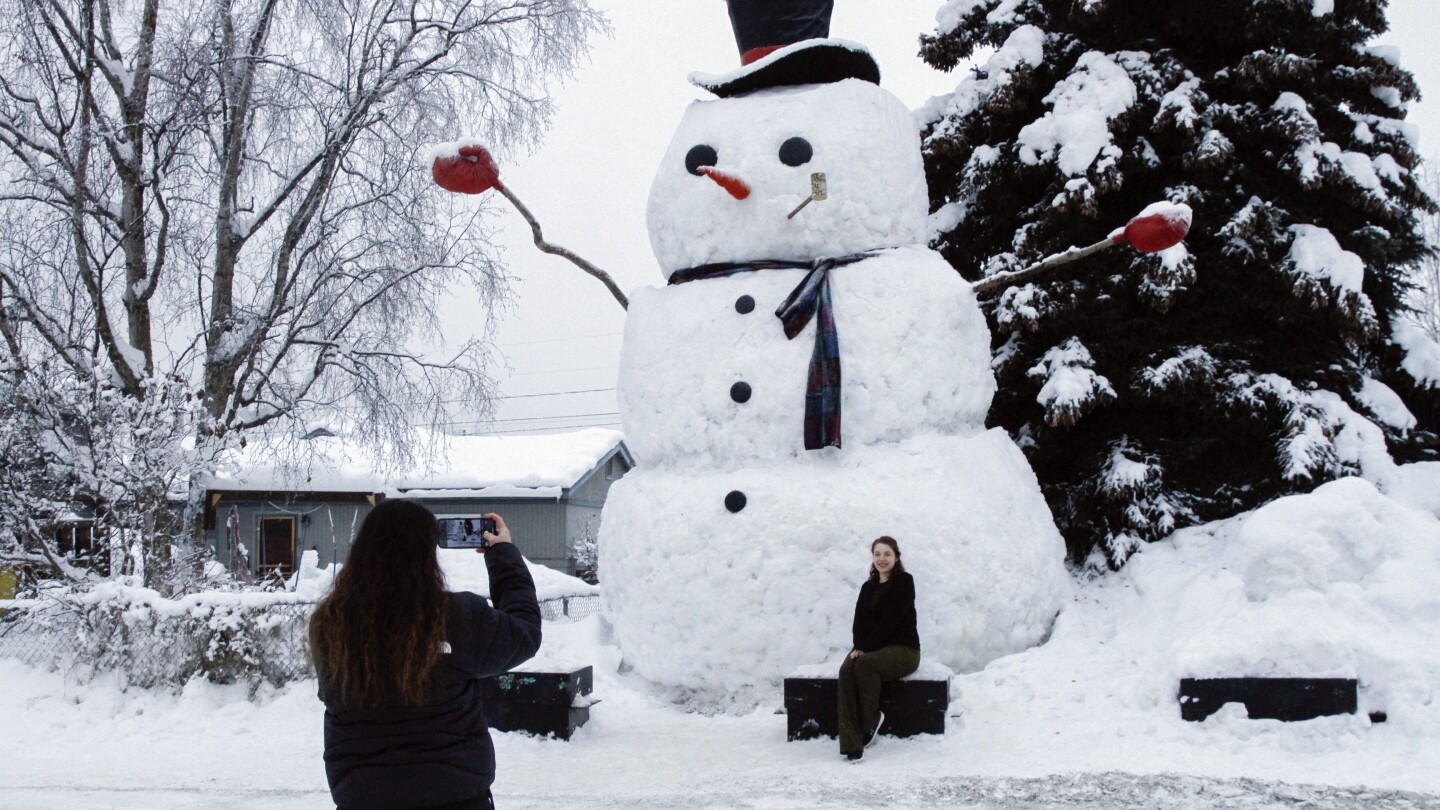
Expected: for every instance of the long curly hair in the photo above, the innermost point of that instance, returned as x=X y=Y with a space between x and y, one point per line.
x=379 y=631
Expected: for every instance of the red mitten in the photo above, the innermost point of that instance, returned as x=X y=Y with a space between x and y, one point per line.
x=1155 y=233
x=472 y=171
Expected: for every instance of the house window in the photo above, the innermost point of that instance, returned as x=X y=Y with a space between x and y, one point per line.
x=76 y=541
x=277 y=544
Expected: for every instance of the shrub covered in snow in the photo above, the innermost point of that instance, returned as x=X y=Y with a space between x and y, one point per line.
x=223 y=637
x=1156 y=391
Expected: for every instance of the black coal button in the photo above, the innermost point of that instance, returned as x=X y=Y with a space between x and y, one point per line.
x=735 y=501
x=740 y=392
x=744 y=305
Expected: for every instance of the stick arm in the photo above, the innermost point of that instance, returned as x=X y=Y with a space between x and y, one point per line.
x=557 y=250
x=1000 y=281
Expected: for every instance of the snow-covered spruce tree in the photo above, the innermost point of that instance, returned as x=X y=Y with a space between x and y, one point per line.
x=1255 y=359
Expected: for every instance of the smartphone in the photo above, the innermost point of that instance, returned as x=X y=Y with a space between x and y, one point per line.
x=465 y=532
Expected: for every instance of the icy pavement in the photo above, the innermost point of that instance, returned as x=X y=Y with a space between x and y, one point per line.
x=1104 y=790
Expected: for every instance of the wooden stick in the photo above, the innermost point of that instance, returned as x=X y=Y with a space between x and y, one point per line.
x=1002 y=280
x=556 y=250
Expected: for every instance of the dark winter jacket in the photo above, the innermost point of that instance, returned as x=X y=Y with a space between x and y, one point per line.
x=885 y=614
x=440 y=752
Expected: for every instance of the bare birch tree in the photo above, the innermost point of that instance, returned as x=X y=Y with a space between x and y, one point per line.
x=228 y=201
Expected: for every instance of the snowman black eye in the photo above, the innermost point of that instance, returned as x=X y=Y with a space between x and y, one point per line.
x=796 y=152
x=698 y=156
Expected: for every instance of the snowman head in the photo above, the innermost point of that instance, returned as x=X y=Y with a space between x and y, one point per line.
x=738 y=166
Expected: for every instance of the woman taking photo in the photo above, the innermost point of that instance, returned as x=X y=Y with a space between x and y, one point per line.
x=886 y=643
x=398 y=659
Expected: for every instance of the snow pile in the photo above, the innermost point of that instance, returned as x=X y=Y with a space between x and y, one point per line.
x=1335 y=583
x=465 y=570
x=1422 y=355
x=1077 y=129
x=863 y=139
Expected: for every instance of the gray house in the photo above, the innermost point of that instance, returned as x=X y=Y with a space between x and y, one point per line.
x=312 y=495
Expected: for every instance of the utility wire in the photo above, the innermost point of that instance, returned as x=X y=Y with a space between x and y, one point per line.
x=556 y=340
x=543 y=429
x=530 y=418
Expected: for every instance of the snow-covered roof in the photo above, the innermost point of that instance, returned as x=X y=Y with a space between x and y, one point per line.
x=463 y=466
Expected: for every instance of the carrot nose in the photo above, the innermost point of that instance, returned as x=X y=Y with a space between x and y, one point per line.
x=737 y=187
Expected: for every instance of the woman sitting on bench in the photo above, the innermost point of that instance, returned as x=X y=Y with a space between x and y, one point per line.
x=887 y=646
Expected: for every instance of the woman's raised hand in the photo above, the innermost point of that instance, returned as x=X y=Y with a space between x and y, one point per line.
x=501 y=533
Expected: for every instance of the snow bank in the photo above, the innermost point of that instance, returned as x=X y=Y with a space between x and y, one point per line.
x=1335 y=583
x=465 y=571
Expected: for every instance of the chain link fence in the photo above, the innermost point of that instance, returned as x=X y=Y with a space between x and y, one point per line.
x=155 y=643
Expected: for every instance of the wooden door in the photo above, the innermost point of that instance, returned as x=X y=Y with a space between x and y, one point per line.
x=277 y=544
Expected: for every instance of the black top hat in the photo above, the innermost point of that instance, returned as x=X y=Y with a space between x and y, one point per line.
x=786 y=42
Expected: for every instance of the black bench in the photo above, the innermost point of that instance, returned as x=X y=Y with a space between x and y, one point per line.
x=1271 y=698
x=913 y=705
x=543 y=703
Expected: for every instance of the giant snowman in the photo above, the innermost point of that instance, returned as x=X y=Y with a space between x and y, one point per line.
x=804 y=384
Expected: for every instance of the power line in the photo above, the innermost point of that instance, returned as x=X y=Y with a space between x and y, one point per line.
x=530 y=418
x=559 y=339
x=564 y=370
x=548 y=394
x=550 y=427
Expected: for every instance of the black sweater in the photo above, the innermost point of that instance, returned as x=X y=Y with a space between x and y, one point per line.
x=438 y=753
x=885 y=614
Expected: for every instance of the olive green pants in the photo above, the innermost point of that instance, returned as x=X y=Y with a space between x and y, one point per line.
x=859 y=690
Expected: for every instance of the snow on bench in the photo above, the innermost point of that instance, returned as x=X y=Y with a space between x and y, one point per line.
x=542 y=697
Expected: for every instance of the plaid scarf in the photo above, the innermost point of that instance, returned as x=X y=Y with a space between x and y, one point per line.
x=811 y=297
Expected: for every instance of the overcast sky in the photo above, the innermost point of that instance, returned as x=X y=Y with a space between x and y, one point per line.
x=589 y=180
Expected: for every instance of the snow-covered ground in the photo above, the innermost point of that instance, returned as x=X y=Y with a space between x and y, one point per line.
x=1339 y=582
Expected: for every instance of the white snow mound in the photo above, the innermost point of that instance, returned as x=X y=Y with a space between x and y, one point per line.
x=1339 y=582
x=722 y=606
